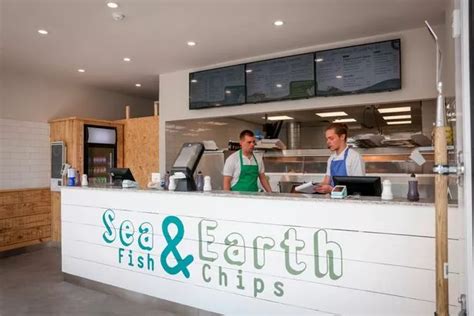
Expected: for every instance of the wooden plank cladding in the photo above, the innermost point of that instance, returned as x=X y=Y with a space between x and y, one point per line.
x=141 y=147
x=25 y=217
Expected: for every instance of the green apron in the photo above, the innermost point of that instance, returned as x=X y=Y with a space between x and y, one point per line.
x=248 y=177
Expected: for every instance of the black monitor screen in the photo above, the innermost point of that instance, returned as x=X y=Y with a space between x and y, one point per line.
x=188 y=158
x=368 y=186
x=280 y=79
x=120 y=174
x=217 y=87
x=364 y=68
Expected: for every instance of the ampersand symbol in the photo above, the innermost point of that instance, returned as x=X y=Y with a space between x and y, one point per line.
x=182 y=264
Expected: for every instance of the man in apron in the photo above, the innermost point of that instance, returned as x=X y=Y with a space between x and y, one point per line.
x=242 y=169
x=344 y=161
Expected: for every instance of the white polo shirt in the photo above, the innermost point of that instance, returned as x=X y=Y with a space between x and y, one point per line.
x=232 y=166
x=355 y=165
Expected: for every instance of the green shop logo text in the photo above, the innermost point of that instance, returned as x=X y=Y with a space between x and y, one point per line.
x=327 y=255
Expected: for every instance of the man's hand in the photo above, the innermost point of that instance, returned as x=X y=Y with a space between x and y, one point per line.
x=323 y=188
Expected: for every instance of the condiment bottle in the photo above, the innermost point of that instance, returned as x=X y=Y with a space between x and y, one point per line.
x=413 y=189
x=199 y=181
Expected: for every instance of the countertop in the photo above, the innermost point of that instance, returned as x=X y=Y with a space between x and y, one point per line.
x=273 y=196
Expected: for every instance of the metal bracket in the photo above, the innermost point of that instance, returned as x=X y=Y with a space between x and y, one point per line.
x=445 y=169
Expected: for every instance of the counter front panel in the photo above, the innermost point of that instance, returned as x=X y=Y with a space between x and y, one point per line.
x=255 y=254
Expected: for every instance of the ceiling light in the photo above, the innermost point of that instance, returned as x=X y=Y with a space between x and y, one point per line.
x=397 y=117
x=228 y=92
x=278 y=23
x=194 y=80
x=318 y=60
x=81 y=70
x=395 y=110
x=191 y=43
x=278 y=118
x=112 y=5
x=43 y=32
x=138 y=85
x=398 y=122
x=346 y=120
x=278 y=85
x=338 y=76
x=127 y=59
x=331 y=114
x=248 y=71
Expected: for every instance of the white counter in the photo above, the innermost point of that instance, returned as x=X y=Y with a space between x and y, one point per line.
x=260 y=253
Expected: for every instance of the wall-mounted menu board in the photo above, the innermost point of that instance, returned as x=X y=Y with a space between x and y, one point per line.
x=365 y=68
x=217 y=87
x=280 y=79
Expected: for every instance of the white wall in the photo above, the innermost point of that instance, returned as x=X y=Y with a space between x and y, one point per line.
x=418 y=83
x=24 y=154
x=30 y=97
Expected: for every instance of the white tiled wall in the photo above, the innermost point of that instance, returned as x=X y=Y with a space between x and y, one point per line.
x=24 y=154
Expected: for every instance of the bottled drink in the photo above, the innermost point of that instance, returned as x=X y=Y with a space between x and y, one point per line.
x=167 y=180
x=199 y=181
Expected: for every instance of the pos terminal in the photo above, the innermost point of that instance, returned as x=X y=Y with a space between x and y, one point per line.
x=185 y=165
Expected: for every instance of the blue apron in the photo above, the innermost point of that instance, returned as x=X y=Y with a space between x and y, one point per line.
x=338 y=167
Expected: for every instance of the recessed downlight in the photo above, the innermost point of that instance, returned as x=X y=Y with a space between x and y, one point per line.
x=248 y=71
x=194 y=80
x=43 y=32
x=318 y=60
x=339 y=77
x=81 y=70
x=279 y=85
x=138 y=85
x=127 y=59
x=278 y=23
x=191 y=43
x=112 y=5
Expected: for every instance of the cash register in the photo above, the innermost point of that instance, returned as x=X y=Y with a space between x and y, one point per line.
x=185 y=165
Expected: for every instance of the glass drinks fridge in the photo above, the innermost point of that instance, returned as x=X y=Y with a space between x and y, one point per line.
x=100 y=153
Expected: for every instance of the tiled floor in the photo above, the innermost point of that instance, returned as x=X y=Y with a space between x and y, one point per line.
x=32 y=284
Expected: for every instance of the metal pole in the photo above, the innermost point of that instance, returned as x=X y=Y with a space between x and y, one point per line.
x=441 y=192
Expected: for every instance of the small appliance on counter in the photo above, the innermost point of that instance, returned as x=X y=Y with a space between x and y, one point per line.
x=339 y=192
x=185 y=165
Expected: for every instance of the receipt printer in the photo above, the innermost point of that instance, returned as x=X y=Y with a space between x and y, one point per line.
x=339 y=192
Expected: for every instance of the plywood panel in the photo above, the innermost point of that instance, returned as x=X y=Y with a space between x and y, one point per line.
x=25 y=217
x=56 y=216
x=141 y=149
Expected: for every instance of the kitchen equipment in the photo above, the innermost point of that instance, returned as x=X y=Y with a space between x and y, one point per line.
x=368 y=140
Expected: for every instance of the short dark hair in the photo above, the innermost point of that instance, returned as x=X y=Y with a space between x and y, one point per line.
x=339 y=128
x=246 y=132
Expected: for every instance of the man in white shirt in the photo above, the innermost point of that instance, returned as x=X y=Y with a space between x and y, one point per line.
x=344 y=161
x=243 y=168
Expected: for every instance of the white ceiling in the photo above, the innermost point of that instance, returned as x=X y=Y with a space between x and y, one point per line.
x=82 y=33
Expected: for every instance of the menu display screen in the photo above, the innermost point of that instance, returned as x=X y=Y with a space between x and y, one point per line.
x=217 y=87
x=359 y=69
x=281 y=79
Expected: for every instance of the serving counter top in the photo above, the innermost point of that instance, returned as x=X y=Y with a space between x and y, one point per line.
x=278 y=196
